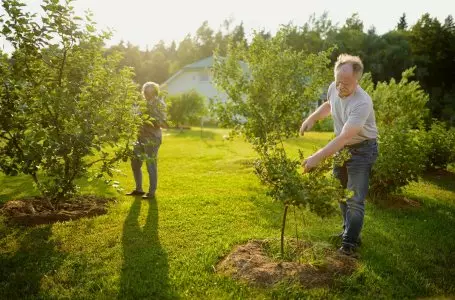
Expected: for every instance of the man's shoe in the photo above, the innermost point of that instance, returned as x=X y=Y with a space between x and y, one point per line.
x=148 y=196
x=359 y=242
x=348 y=251
x=135 y=193
x=337 y=238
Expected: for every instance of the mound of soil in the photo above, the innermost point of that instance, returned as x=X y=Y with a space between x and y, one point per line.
x=39 y=210
x=250 y=263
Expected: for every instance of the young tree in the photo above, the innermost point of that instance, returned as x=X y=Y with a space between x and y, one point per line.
x=65 y=107
x=266 y=104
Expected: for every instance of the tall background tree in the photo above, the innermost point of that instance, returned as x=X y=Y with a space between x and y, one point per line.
x=429 y=44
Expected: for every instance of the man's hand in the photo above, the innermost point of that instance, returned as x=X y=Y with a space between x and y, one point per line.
x=320 y=113
x=306 y=125
x=332 y=147
x=310 y=163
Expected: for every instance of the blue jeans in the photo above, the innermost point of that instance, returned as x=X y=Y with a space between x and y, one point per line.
x=146 y=149
x=354 y=175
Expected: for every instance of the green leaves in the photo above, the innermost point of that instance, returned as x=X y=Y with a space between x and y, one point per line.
x=65 y=106
x=400 y=110
x=441 y=145
x=271 y=87
x=402 y=158
x=283 y=176
x=401 y=104
x=188 y=107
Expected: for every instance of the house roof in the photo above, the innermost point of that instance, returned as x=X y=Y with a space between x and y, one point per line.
x=204 y=63
x=201 y=64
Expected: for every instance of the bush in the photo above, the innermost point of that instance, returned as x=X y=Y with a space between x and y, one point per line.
x=187 y=108
x=400 y=110
x=325 y=125
x=441 y=144
x=402 y=158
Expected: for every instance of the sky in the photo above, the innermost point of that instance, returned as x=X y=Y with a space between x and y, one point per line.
x=144 y=23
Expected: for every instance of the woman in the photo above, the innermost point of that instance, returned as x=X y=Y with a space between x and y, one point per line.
x=149 y=140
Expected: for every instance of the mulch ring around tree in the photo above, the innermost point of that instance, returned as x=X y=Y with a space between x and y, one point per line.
x=38 y=210
x=250 y=263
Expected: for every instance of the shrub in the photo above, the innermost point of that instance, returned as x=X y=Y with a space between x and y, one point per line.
x=400 y=110
x=325 y=125
x=402 y=158
x=441 y=144
x=186 y=108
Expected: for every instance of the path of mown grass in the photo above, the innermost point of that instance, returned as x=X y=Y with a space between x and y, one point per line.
x=208 y=202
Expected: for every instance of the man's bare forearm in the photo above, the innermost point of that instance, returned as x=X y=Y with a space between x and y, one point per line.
x=323 y=111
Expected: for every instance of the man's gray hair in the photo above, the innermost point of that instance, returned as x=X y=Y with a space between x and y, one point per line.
x=150 y=84
x=354 y=61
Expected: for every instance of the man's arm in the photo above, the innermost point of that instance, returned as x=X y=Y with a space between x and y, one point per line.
x=347 y=133
x=322 y=112
x=356 y=120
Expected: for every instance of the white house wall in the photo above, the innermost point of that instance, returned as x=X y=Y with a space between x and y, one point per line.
x=189 y=79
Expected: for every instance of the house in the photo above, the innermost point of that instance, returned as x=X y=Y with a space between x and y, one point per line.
x=197 y=76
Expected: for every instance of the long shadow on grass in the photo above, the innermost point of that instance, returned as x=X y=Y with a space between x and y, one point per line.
x=408 y=253
x=145 y=265
x=22 y=271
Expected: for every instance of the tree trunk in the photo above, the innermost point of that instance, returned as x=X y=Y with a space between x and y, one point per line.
x=283 y=225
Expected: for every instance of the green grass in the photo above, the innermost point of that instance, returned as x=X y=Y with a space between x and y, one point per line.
x=208 y=201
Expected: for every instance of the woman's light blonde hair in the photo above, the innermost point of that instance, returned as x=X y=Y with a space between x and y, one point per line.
x=148 y=85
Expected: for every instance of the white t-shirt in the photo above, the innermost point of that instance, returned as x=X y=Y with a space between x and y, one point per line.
x=356 y=109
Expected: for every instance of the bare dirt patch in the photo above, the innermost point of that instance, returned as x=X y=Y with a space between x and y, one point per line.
x=250 y=263
x=38 y=210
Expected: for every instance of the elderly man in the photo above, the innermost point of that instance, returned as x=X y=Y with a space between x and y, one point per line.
x=149 y=141
x=355 y=129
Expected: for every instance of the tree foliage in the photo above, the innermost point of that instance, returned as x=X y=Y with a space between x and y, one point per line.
x=65 y=107
x=266 y=104
x=429 y=44
x=400 y=110
x=186 y=108
x=441 y=144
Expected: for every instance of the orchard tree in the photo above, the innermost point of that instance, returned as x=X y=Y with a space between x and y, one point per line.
x=267 y=101
x=65 y=107
x=188 y=107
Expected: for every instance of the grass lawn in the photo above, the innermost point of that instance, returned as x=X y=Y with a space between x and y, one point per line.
x=208 y=201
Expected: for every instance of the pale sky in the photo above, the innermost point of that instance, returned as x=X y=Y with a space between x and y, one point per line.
x=146 y=22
